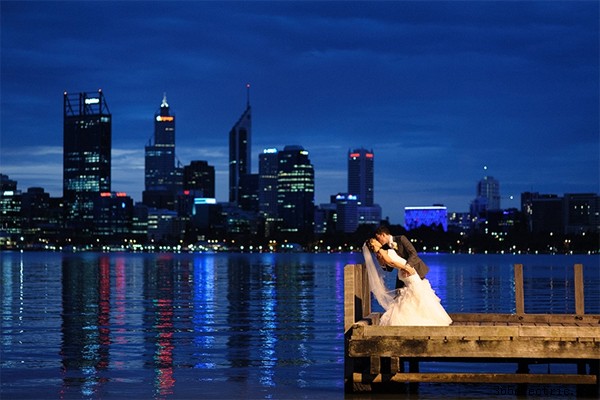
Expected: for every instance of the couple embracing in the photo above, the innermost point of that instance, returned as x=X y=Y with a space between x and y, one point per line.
x=413 y=303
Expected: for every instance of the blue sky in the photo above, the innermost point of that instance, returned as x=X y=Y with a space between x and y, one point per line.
x=438 y=90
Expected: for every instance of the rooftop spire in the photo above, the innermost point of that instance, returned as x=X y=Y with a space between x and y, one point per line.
x=164 y=101
x=247 y=95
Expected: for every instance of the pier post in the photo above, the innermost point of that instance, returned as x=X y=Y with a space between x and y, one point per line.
x=519 y=296
x=579 y=302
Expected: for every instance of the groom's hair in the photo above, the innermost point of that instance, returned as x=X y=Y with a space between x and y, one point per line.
x=382 y=230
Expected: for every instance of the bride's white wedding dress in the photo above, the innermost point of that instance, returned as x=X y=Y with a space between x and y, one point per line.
x=415 y=305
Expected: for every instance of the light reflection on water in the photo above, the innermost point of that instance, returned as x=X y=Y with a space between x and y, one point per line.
x=223 y=325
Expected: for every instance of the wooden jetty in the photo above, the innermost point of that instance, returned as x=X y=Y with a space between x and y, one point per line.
x=376 y=357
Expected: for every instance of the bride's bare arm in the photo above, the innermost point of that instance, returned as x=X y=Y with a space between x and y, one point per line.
x=384 y=258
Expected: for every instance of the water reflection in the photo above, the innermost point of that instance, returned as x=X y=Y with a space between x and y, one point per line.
x=85 y=322
x=169 y=326
x=158 y=320
x=205 y=301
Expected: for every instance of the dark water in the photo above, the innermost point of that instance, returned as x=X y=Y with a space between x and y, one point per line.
x=223 y=326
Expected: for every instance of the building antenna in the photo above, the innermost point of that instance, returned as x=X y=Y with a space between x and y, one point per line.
x=247 y=95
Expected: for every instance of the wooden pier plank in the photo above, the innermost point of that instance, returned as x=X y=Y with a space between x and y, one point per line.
x=472 y=348
x=571 y=332
x=440 y=331
x=459 y=377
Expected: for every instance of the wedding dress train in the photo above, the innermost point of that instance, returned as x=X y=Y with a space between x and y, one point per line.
x=416 y=305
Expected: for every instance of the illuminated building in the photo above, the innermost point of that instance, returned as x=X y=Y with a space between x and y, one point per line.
x=582 y=213
x=87 y=140
x=199 y=177
x=164 y=226
x=163 y=178
x=543 y=212
x=459 y=222
x=487 y=198
x=35 y=211
x=267 y=182
x=433 y=216
x=361 y=167
x=360 y=175
x=369 y=215
x=239 y=151
x=10 y=206
x=346 y=212
x=575 y=213
x=113 y=214
x=267 y=188
x=204 y=215
x=248 y=196
x=295 y=191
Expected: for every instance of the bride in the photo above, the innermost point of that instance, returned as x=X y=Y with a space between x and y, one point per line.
x=416 y=304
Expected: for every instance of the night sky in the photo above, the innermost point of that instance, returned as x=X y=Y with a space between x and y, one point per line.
x=438 y=90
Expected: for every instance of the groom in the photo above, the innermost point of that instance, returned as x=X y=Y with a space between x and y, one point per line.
x=403 y=248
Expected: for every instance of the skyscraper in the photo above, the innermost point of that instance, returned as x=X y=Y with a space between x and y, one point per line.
x=239 y=151
x=163 y=178
x=87 y=139
x=360 y=175
x=267 y=182
x=267 y=189
x=488 y=188
x=199 y=177
x=295 y=191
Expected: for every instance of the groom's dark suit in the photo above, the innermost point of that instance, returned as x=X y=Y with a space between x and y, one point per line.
x=407 y=251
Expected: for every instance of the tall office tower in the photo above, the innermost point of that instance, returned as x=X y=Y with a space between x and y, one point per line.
x=487 y=199
x=267 y=189
x=267 y=182
x=87 y=141
x=163 y=178
x=489 y=188
x=239 y=151
x=360 y=175
x=200 y=178
x=295 y=191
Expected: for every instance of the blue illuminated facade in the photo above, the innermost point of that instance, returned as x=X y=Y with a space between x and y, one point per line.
x=415 y=217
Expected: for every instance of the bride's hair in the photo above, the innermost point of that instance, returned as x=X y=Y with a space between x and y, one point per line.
x=370 y=245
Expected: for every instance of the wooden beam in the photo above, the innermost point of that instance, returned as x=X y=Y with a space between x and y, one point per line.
x=349 y=296
x=506 y=332
x=519 y=297
x=473 y=349
x=555 y=332
x=579 y=302
x=442 y=331
x=375 y=367
x=364 y=289
x=455 y=377
x=477 y=318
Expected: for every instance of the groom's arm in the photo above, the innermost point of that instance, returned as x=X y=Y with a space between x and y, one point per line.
x=412 y=257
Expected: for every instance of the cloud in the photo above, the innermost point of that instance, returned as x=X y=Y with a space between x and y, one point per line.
x=436 y=89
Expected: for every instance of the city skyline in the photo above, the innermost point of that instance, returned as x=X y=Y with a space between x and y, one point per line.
x=438 y=91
